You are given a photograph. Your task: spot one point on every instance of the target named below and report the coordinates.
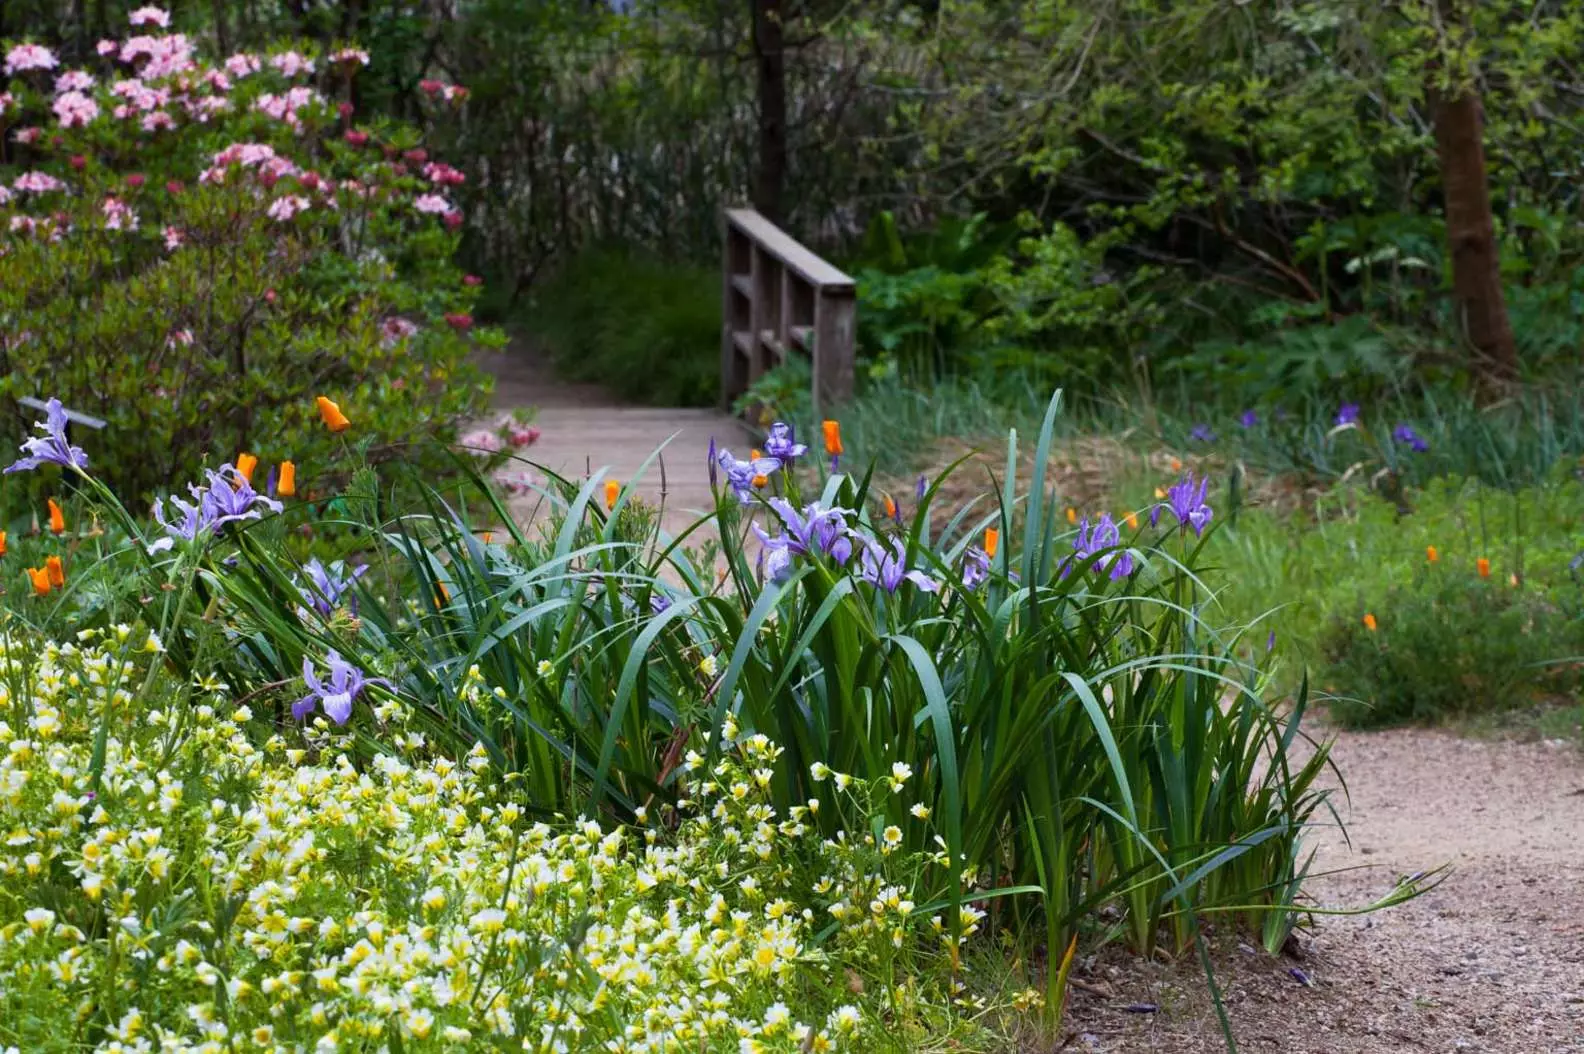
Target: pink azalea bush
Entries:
(197, 245)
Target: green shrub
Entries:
(1448, 646)
(195, 281)
(649, 329)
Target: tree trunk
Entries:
(769, 50)
(1471, 233)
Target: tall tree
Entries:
(769, 37)
(1458, 121)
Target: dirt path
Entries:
(584, 428)
(1490, 961)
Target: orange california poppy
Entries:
(612, 492)
(486, 537)
(1160, 495)
(1369, 622)
(761, 481)
(2, 543)
(992, 541)
(286, 485)
(334, 419)
(1176, 465)
(1483, 566)
(39, 576)
(832, 432)
(57, 518)
(1072, 514)
(245, 464)
(890, 506)
(1431, 554)
(1132, 521)
(56, 571)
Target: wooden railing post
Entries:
(779, 298)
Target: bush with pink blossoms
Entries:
(193, 247)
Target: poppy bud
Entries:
(245, 464)
(334, 419)
(286, 486)
(57, 519)
(992, 541)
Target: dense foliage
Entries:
(190, 250)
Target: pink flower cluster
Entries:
(25, 57)
(432, 204)
(350, 57)
(290, 64)
(73, 109)
(284, 208)
(395, 329)
(150, 16)
(164, 56)
(285, 107)
(444, 175)
(448, 92)
(119, 215)
(506, 433)
(73, 80)
(37, 183)
(242, 64)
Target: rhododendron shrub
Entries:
(192, 247)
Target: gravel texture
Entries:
(1492, 960)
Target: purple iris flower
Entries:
(659, 603)
(1187, 503)
(1248, 419)
(976, 568)
(712, 465)
(740, 475)
(920, 488)
(1270, 641)
(50, 448)
(782, 444)
(775, 559)
(194, 519)
(227, 498)
(231, 497)
(1349, 414)
(815, 530)
(1202, 433)
(327, 585)
(1404, 434)
(888, 568)
(1103, 536)
(336, 694)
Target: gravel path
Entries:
(1490, 961)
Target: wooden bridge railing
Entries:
(779, 300)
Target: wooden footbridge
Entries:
(779, 300)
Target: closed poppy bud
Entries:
(286, 486)
(1431, 554)
(57, 518)
(1072, 514)
(890, 506)
(56, 571)
(444, 595)
(612, 492)
(1369, 622)
(1483, 566)
(1132, 521)
(832, 433)
(334, 419)
(992, 541)
(2, 543)
(245, 464)
(39, 577)
(1160, 495)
